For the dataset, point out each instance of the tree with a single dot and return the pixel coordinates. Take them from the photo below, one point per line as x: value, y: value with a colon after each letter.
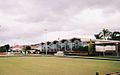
x: 98, y: 36
x: 4, y: 48
x: 105, y: 34
x: 91, y: 50
x: 26, y: 49
x: 81, y: 48
x: 115, y: 36
x: 7, y: 47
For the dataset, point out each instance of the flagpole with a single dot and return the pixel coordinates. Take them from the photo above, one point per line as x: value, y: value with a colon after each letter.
x: 59, y: 41
x: 46, y: 40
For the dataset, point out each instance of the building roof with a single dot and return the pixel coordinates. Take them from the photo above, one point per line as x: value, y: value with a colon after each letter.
x: 34, y: 47
x: 17, y: 46
x: 106, y: 41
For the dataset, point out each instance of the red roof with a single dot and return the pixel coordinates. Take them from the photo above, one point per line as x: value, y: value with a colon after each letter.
x: 17, y: 46
x: 34, y: 47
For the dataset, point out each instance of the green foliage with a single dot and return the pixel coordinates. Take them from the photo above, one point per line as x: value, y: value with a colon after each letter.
x: 104, y: 34
x: 98, y: 36
x: 81, y: 48
x: 91, y: 50
x: 4, y: 48
x: 115, y: 35
x: 7, y: 47
x: 26, y: 49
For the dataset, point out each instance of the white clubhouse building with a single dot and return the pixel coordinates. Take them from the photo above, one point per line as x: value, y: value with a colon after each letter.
x: 102, y: 46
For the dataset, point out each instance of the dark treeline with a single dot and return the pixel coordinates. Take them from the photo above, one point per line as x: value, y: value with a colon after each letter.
x: 5, y: 48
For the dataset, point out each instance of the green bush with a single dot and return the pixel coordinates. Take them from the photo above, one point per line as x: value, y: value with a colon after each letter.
x: 81, y: 48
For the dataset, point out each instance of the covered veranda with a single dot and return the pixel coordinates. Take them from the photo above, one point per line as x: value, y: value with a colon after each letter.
x: 107, y: 48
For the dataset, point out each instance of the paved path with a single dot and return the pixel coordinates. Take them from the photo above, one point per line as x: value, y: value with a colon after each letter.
x: 65, y: 57
x: 91, y: 58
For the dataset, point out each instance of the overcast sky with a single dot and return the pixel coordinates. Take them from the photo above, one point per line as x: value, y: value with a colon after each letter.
x: 34, y: 21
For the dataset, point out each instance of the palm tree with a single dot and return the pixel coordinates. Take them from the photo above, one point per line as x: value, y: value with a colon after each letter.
x: 105, y: 34
x: 115, y: 36
x: 98, y: 36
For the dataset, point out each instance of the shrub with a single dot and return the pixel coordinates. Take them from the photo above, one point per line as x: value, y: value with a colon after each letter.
x: 81, y: 48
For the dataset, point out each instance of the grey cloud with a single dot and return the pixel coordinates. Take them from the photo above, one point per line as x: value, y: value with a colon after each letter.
x: 31, y: 17
x: 9, y: 7
x: 58, y: 6
x: 40, y: 10
x: 58, y: 10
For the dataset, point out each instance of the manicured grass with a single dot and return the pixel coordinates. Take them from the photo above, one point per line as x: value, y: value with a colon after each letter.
x: 55, y: 66
x: 109, y: 57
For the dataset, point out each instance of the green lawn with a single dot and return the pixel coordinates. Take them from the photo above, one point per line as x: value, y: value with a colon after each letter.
x: 55, y: 66
x: 108, y: 57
